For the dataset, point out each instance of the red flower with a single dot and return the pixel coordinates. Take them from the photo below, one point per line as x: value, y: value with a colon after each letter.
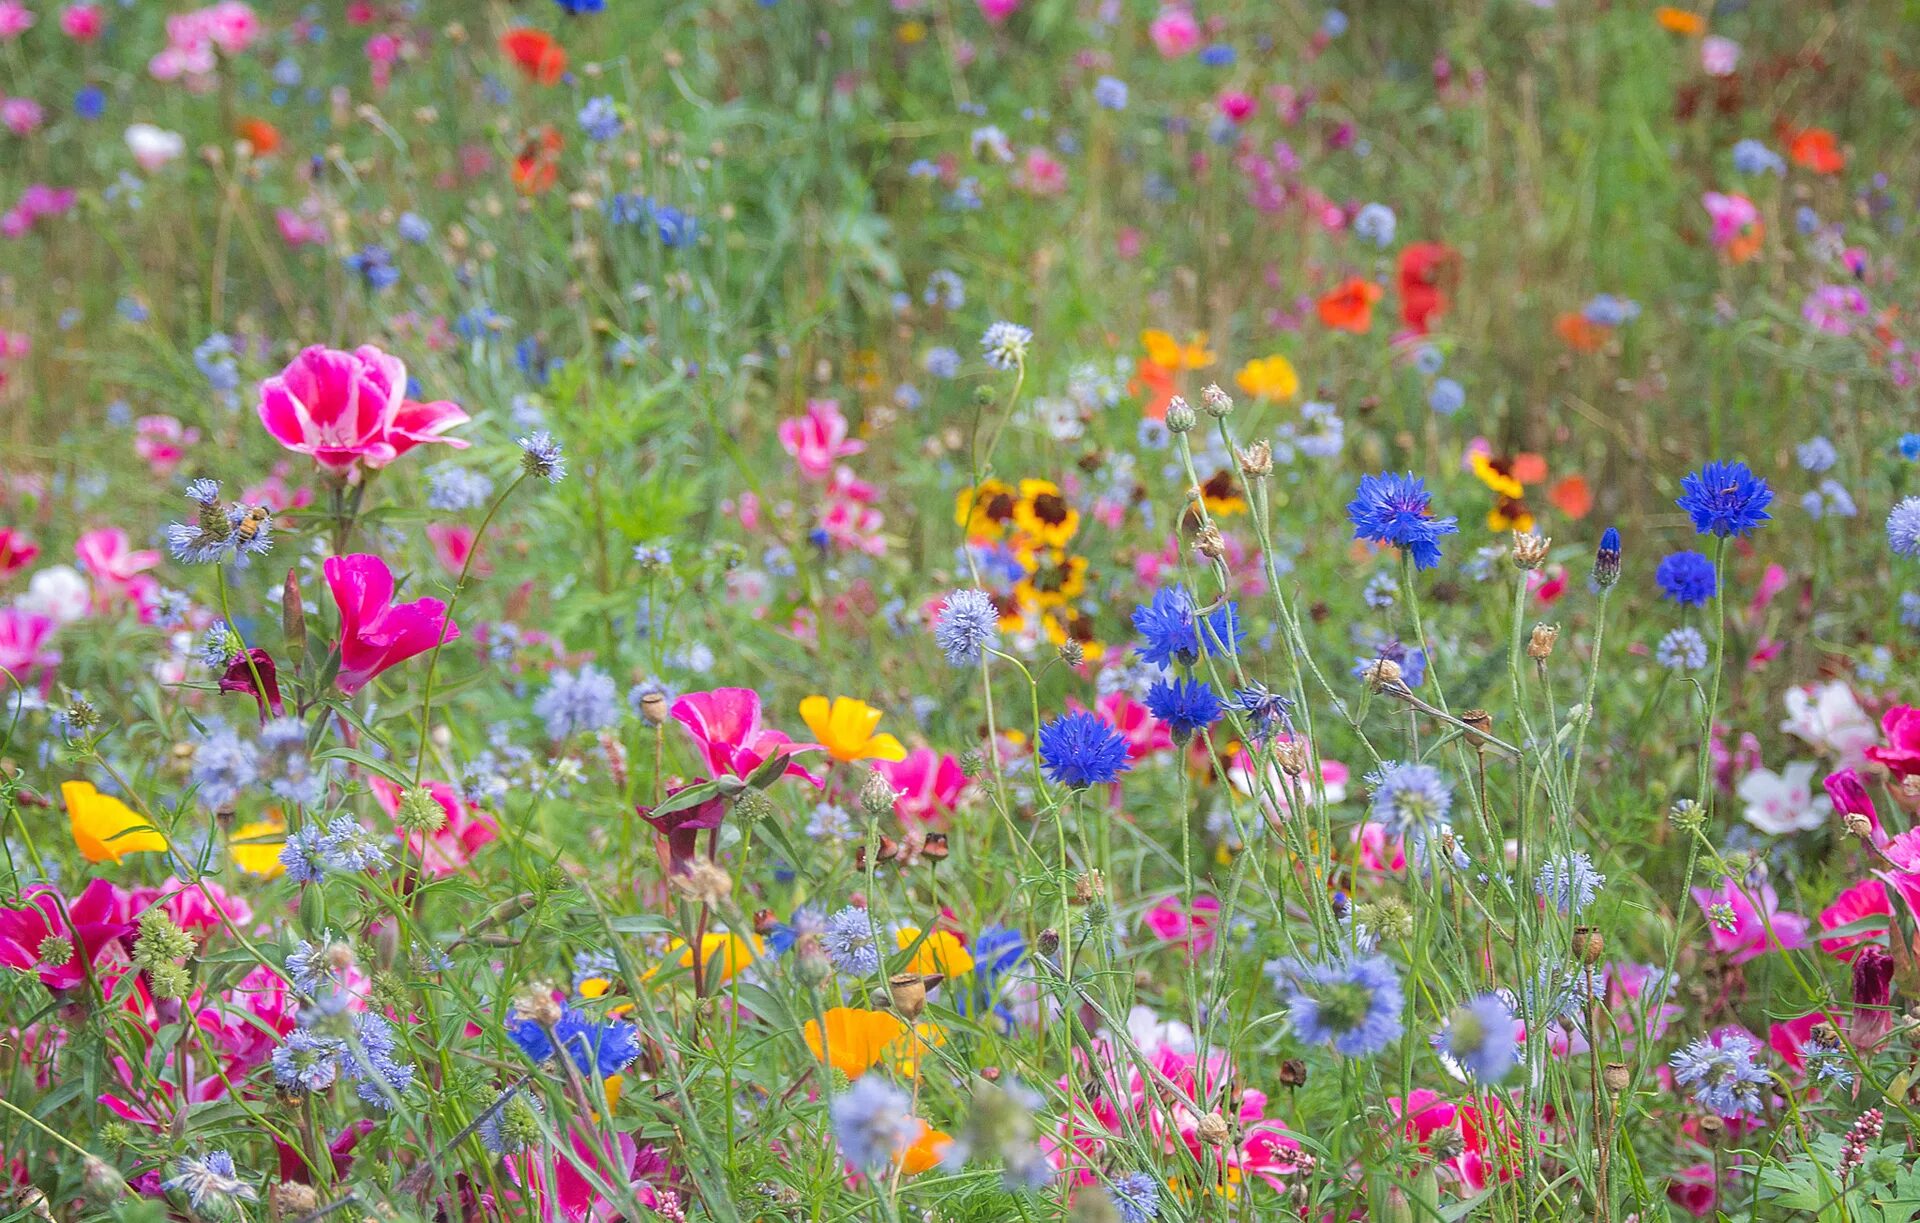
x: 538, y: 165
x: 1424, y: 267
x: 1350, y: 307
x: 537, y: 54
x: 1815, y: 149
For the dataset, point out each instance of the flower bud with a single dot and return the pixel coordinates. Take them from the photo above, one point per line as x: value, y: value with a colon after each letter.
x: 1217, y: 402
x: 1540, y: 643
x: 1606, y: 559
x: 877, y: 794
x: 1530, y: 550
x: 1256, y: 460
x: 1180, y: 416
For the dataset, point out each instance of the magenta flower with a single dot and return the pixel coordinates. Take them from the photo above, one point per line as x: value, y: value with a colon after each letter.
x: 375, y: 632
x: 726, y: 725
x: 91, y: 925
x: 347, y: 408
x: 1739, y: 929
x: 1174, y: 31
x: 118, y: 571
x: 927, y: 784
x: 1730, y: 214
x: 447, y: 850
x: 819, y: 439
x: 24, y: 652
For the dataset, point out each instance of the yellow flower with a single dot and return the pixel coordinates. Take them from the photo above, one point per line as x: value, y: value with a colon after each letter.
x: 942, y: 952
x: 854, y: 1040
x: 1044, y: 515
x: 911, y: 32
x: 1499, y: 481
x: 985, y: 511
x: 105, y: 828
x: 1168, y: 353
x: 255, y: 848
x: 725, y: 955
x: 1222, y: 494
x: 1268, y: 378
x: 907, y: 1052
x: 1053, y: 577
x: 845, y: 729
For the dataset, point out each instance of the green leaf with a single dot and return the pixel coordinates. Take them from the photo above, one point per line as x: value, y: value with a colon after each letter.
x: 692, y: 796
x: 359, y: 758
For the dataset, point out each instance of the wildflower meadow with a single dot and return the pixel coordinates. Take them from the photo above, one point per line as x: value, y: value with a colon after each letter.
x: 959, y: 611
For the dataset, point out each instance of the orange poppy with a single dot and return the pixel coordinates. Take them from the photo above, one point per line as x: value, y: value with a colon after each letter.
x: 854, y: 1039
x: 1815, y: 148
x: 263, y: 136
x: 1747, y: 243
x: 1572, y: 497
x: 1157, y: 384
x: 1350, y: 307
x: 1680, y: 21
x: 538, y: 164
x: 926, y: 1151
x: 540, y: 57
x: 1581, y: 333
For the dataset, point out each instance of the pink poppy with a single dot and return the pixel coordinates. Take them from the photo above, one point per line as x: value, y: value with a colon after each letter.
x: 725, y: 724
x: 1747, y: 924
x: 453, y: 544
x: 92, y: 925
x: 1901, y: 755
x: 1865, y: 899
x: 1691, y: 1189
x: 1428, y: 1113
x: 118, y: 571
x: 927, y: 784
x: 447, y: 850
x: 1730, y: 214
x: 819, y: 439
x: 375, y: 632
x: 348, y: 408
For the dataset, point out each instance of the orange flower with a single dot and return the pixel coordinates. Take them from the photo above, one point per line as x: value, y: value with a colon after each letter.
x: 1580, y: 333
x: 1572, y: 497
x: 1746, y: 244
x: 539, y: 57
x: 1156, y: 382
x: 1350, y: 307
x: 1815, y: 148
x: 1680, y: 21
x: 263, y: 136
x: 855, y: 1039
x: 538, y: 165
x: 926, y: 1150
x: 1168, y: 353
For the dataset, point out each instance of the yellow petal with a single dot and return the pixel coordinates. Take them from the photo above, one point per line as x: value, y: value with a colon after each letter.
x: 104, y: 828
x: 885, y: 747
x: 814, y: 712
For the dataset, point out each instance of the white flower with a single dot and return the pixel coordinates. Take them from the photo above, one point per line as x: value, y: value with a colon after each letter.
x: 154, y: 147
x: 57, y: 592
x: 1828, y: 716
x: 1780, y: 803
x: 1150, y: 1035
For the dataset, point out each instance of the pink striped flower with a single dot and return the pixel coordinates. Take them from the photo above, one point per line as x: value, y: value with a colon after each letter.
x: 351, y: 408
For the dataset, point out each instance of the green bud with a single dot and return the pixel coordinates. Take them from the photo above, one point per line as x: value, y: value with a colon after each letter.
x: 420, y: 811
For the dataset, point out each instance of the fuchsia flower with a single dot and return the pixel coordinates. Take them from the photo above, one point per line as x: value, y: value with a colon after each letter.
x: 927, y: 784
x: 24, y: 652
x: 1174, y: 32
x: 252, y: 672
x: 1171, y: 922
x: 92, y: 925
x: 1865, y: 899
x: 1428, y: 1113
x: 15, y: 19
x: 997, y: 11
x: 162, y: 441
x: 348, y: 408
x: 447, y: 850
x: 16, y: 551
x: 82, y: 22
x: 1747, y: 923
x: 375, y: 632
x: 1730, y: 215
x: 453, y: 544
x: 118, y: 571
x: 819, y: 439
x: 1901, y: 755
x: 725, y: 725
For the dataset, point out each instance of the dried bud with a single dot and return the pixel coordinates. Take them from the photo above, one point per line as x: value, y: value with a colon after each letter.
x: 1212, y: 1130
x: 1293, y: 1072
x: 1217, y: 402
x: 1209, y: 543
x: 877, y: 794
x: 653, y: 707
x: 1530, y: 549
x: 1256, y: 461
x: 1589, y: 944
x: 291, y: 1199
x: 1382, y: 674
x: 908, y: 993
x: 1479, y: 724
x: 1291, y: 756
x: 1447, y: 1144
x: 1857, y: 825
x: 536, y: 1002
x: 1712, y: 1128
x: 1072, y: 652
x: 1540, y: 644
x: 1088, y: 888
x: 1180, y: 416
x: 703, y: 882
x: 1615, y: 1077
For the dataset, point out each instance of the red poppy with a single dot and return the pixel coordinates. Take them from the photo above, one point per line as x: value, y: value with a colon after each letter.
x: 1350, y: 307
x: 1572, y: 497
x: 537, y: 53
x: 1816, y: 149
x: 1580, y: 333
x: 1425, y: 269
x: 538, y: 164
x: 263, y: 136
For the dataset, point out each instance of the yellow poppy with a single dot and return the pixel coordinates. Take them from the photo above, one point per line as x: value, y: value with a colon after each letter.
x: 725, y: 955
x: 907, y: 1052
x: 105, y: 828
x: 854, y: 1040
x: 1168, y: 353
x: 942, y: 952
x: 1043, y: 515
x: 1053, y: 577
x: 255, y: 848
x: 985, y: 511
x: 1268, y: 378
x: 845, y: 729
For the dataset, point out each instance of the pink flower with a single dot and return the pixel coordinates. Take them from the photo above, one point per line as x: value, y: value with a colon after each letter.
x: 162, y: 441
x: 1174, y: 32
x: 299, y: 229
x: 1237, y: 105
x: 1041, y: 173
x: 1872, y: 997
x: 1171, y: 922
x: 1691, y: 1189
x: 819, y: 439
x: 375, y: 632
x: 1789, y: 1039
x: 118, y: 571
x: 22, y: 116
x: 1377, y: 853
x: 192, y: 908
x: 1748, y: 924
x: 92, y: 925
x: 16, y: 551
x: 447, y: 850
x: 82, y: 22
x: 926, y: 783
x: 1730, y: 214
x: 1719, y: 55
x: 15, y: 19
x: 1865, y: 899
x: 453, y: 544
x: 24, y: 653
x: 725, y: 725
x: 997, y: 11
x: 344, y: 408
x: 1428, y: 1113
x: 1901, y: 755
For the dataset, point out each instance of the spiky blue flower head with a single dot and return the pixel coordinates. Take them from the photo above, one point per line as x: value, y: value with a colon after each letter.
x: 1606, y: 558
x: 1722, y: 1074
x: 1725, y: 499
x: 306, y: 1061
x: 1187, y: 706
x: 849, y: 942
x: 1004, y: 344
x: 1569, y: 882
x: 595, y: 1046
x: 1137, y: 1197
x: 967, y: 624
x: 1410, y: 800
x: 374, y: 1062
x: 1687, y: 578
x: 541, y: 456
x: 210, y: 1182
x: 575, y: 702
x: 1398, y: 510
x: 1266, y: 711
x: 1110, y: 93
x: 1352, y: 1005
x: 1682, y: 649
x: 1082, y: 749
x: 873, y: 1121
x: 600, y: 119
x: 1172, y: 632
x: 1479, y: 1035
x: 1903, y: 527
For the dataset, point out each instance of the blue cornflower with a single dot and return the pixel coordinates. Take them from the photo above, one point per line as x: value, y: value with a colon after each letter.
x: 1569, y: 883
x: 1375, y: 223
x: 1608, y: 310
x: 412, y: 227
x: 1721, y: 1074
x: 848, y: 939
x: 1353, y: 1005
x: 1004, y: 344
x: 1687, y: 578
x: 1333, y: 23
x: 1187, y: 706
x: 1174, y: 633
x: 1398, y: 510
x: 1266, y: 711
x: 211, y: 1183
x: 1903, y: 527
x: 1110, y: 92
x: 1753, y: 157
x: 1082, y: 749
x: 1682, y: 649
x: 600, y: 119
x: 306, y: 1061
x: 1606, y: 559
x: 1909, y: 446
x: 1910, y: 609
x: 941, y: 362
x: 968, y: 623
x: 300, y: 856
x: 576, y: 7
x: 595, y: 1046
x: 89, y: 102
x: 1725, y: 499
x: 1447, y: 396
x: 575, y: 702
x: 348, y: 848
x: 1816, y: 455
x: 1428, y: 360
x: 1137, y: 1197
x: 1218, y: 55
x: 873, y: 1121
x: 213, y: 357
x: 373, y: 263
x: 372, y: 1062
x: 541, y: 456
x: 1480, y: 1037
x: 1410, y: 801
x: 1830, y: 500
